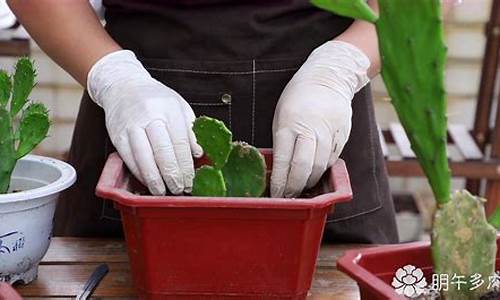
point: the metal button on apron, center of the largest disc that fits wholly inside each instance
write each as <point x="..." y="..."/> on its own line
<point x="226" y="98"/>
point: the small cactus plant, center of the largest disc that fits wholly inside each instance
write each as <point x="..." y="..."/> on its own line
<point x="238" y="169"/>
<point x="412" y="50"/>
<point x="17" y="141"/>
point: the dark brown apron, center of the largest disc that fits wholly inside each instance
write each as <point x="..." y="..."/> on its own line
<point x="229" y="61"/>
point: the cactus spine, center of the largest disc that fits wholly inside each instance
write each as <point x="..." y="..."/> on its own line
<point x="238" y="169"/>
<point x="413" y="53"/>
<point x="34" y="121"/>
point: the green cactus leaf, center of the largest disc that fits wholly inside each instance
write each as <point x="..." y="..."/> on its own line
<point x="7" y="152"/>
<point x="33" y="128"/>
<point x="245" y="171"/>
<point x="5" y="88"/>
<point x="24" y="81"/>
<point x="463" y="243"/>
<point x="413" y="58"/>
<point x="209" y="182"/>
<point x="357" y="9"/>
<point x="494" y="219"/>
<point x="215" y="139"/>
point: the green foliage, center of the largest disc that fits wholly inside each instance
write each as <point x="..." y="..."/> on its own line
<point x="245" y="171"/>
<point x="357" y="9"/>
<point x="209" y="182"/>
<point x="34" y="123"/>
<point x="238" y="170"/>
<point x="463" y="243"/>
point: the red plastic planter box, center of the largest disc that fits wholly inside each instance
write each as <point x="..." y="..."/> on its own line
<point x="184" y="247"/>
<point x="374" y="268"/>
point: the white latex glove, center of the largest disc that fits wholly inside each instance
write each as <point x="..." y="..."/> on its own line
<point x="148" y="123"/>
<point x="312" y="120"/>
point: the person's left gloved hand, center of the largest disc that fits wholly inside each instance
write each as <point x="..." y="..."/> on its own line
<point x="312" y="120"/>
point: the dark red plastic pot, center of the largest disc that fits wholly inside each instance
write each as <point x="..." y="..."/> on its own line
<point x="374" y="268"/>
<point x="8" y="293"/>
<point x="184" y="247"/>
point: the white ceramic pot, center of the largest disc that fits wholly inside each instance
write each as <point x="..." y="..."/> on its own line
<point x="26" y="215"/>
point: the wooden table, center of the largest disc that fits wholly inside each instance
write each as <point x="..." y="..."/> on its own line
<point x="70" y="261"/>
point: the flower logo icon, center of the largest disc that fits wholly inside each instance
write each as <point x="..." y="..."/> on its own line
<point x="409" y="281"/>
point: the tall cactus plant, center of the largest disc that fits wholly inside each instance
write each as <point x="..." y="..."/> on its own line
<point x="412" y="50"/>
<point x="33" y="123"/>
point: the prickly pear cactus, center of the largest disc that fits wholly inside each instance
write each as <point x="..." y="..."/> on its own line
<point x="209" y="182"/>
<point x="413" y="54"/>
<point x="245" y="171"/>
<point x="215" y="139"/>
<point x="463" y="243"/>
<point x="34" y="121"/>
<point x="238" y="170"/>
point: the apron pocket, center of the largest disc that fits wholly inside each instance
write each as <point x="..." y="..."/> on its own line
<point x="218" y="89"/>
<point x="216" y="105"/>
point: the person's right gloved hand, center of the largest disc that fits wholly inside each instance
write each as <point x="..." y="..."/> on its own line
<point x="148" y="123"/>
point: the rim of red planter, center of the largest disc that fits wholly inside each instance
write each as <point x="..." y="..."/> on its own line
<point x="349" y="263"/>
<point x="110" y="186"/>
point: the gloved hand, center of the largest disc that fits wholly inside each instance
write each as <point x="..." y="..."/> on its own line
<point x="312" y="120"/>
<point x="148" y="123"/>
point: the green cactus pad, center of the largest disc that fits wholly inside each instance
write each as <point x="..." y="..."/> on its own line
<point x="245" y="171"/>
<point x="24" y="81"/>
<point x="209" y="182"/>
<point x="5" y="88"/>
<point x="33" y="128"/>
<point x="413" y="59"/>
<point x="463" y="243"/>
<point x="215" y="139"/>
<point x="240" y="166"/>
<point x="357" y="9"/>
<point x="7" y="152"/>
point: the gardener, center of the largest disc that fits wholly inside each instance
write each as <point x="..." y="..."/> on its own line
<point x="270" y="71"/>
